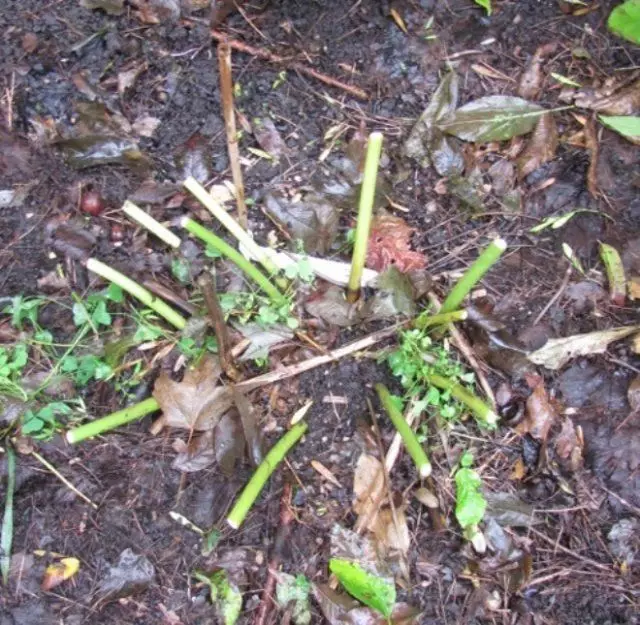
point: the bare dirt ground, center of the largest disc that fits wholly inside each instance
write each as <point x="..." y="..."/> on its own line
<point x="58" y="57"/>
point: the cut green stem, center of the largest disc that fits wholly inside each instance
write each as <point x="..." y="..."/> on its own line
<point x="408" y="436"/>
<point x="263" y="472"/>
<point x="139" y="292"/>
<point x="6" y="538"/>
<point x="234" y="228"/>
<point x="439" y="319"/>
<point x="206" y="236"/>
<point x="365" y="210"/>
<point x="484" y="414"/>
<point x="112" y="421"/>
<point x="473" y="275"/>
<point x="148" y="222"/>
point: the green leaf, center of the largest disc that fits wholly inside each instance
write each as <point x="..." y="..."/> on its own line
<point x="68" y="364"/>
<point x="626" y="125"/>
<point x="486" y="4"/>
<point x="376" y="592"/>
<point x="470" y="502"/>
<point x="80" y="314"/>
<point x="181" y="270"/>
<point x="100" y="316"/>
<point x="224" y="595"/>
<point x="115" y="293"/>
<point x="624" y="21"/>
<point x="492" y="118"/>
<point x="295" y="591"/>
<point x="31" y="424"/>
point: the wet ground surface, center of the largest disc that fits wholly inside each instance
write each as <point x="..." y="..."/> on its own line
<point x="65" y="68"/>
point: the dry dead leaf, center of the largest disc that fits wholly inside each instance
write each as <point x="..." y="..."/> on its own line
<point x="368" y="485"/>
<point x="531" y="79"/>
<point x="519" y="470"/>
<point x="389" y="244"/>
<point x="542" y="147"/>
<point x="633" y="287"/>
<point x="569" y="444"/>
<point x="196" y="403"/>
<point x="612" y="100"/>
<point x="540" y="414"/>
<point x="196" y="455"/>
<point x="325" y="473"/>
<point x="557" y="352"/>
<point x="58" y="572"/>
<point x="391" y="531"/>
<point x="127" y="79"/>
<point x="426" y="498"/>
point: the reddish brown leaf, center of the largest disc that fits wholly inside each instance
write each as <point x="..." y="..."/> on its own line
<point x="540" y="413"/>
<point x="389" y="244"/>
<point x="542" y="147"/>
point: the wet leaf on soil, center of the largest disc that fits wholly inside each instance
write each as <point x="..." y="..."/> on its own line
<point x="194" y="160"/>
<point x="128" y="78"/>
<point x="624" y="21"/>
<point x="624" y="540"/>
<point x="389" y="245"/>
<point x="492" y="118"/>
<point x="262" y="339"/>
<point x="557" y="352"/>
<point x="196" y="455"/>
<point x="133" y="574"/>
<point x="426" y="142"/>
<point x="622" y="99"/>
<point x="59" y="572"/>
<point x="368" y="486"/>
<point x="196" y="403"/>
<point x="293" y="592"/>
<point x="269" y="138"/>
<point x="542" y="147"/>
<point x="92" y="150"/>
<point x="157" y="11"/>
<point x="509" y="510"/>
<point x="313" y="220"/>
<point x="229" y="441"/>
<point x="110" y="7"/>
<point x="332" y="307"/>
<point x="470" y="190"/>
<point x="540" y="413"/>
<point x="531" y="80"/>
<point x="626" y="125"/>
<point x="251" y="431"/>
<point x="373" y="590"/>
<point x="395" y="296"/>
<point x="153" y="192"/>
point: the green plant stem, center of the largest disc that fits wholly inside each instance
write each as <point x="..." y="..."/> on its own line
<point x="112" y="421"/>
<point x="6" y="538"/>
<point x="473" y="275"/>
<point x="234" y="228"/>
<point x="206" y="236"/>
<point x="483" y="412"/>
<point x="408" y="436"/>
<point x="148" y="222"/>
<point x="439" y="319"/>
<point x="259" y="478"/>
<point x="365" y="210"/>
<point x="139" y="292"/>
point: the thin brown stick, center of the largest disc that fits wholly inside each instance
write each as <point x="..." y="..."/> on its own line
<point x="317" y="361"/>
<point x="219" y="326"/>
<point x="556" y="296"/>
<point x="167" y="294"/>
<point x="294" y="65"/>
<point x="284" y="529"/>
<point x="226" y="91"/>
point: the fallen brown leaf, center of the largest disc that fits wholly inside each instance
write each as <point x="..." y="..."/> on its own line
<point x="196" y="403"/>
<point x="612" y="100"/>
<point x="542" y="147"/>
<point x="389" y="244"/>
<point x="569" y="444"/>
<point x="540" y="414"/>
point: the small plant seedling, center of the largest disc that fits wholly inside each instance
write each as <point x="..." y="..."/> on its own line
<point x="470" y="502"/>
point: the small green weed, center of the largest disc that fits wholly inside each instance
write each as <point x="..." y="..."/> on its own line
<point x="418" y="357"/>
